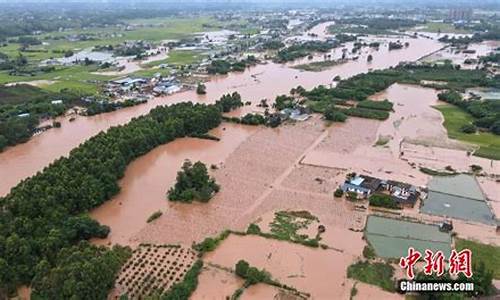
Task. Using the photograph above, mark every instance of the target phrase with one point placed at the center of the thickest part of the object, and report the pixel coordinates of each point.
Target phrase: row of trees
(222, 66)
(360, 87)
(228, 102)
(46, 213)
(69, 277)
(304, 49)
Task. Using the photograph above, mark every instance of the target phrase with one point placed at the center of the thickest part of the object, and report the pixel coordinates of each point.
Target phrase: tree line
(32, 103)
(46, 213)
(304, 49)
(486, 113)
(360, 87)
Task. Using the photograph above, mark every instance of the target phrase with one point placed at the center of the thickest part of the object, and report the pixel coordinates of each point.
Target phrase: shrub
(201, 89)
(379, 274)
(253, 229)
(368, 252)
(476, 168)
(251, 274)
(366, 113)
(242, 268)
(332, 114)
(154, 216)
(381, 105)
(352, 196)
(468, 128)
(338, 193)
(186, 287)
(209, 243)
(382, 200)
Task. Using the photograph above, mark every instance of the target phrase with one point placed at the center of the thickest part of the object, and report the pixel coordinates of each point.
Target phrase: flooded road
(262, 81)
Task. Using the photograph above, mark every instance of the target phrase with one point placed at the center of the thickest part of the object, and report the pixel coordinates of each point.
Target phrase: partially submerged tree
(193, 183)
(201, 89)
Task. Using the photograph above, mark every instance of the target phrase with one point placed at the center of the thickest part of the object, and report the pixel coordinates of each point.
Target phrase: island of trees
(193, 183)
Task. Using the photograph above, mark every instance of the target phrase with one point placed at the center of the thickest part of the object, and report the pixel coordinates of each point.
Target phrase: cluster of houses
(157, 86)
(404, 194)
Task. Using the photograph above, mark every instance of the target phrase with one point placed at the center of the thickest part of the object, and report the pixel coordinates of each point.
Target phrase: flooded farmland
(256, 83)
(274, 150)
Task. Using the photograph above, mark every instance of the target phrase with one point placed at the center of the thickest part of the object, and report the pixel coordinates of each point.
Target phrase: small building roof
(357, 180)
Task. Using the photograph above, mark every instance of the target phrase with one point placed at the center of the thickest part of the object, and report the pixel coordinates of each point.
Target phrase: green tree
(193, 183)
(201, 89)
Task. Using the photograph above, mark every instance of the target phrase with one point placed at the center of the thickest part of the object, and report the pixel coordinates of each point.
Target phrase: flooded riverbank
(256, 83)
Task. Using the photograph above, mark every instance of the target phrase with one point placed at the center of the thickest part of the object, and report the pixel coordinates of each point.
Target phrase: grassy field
(488, 254)
(377, 273)
(77, 78)
(455, 118)
(442, 27)
(82, 77)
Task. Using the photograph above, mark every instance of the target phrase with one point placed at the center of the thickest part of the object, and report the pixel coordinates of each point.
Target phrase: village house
(364, 186)
(404, 194)
(297, 114)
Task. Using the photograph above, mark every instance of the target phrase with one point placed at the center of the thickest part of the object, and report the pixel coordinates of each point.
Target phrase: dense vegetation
(46, 213)
(483, 254)
(184, 289)
(69, 277)
(228, 102)
(382, 105)
(361, 86)
(335, 115)
(222, 66)
(104, 106)
(271, 120)
(482, 280)
(304, 49)
(273, 45)
(252, 275)
(209, 244)
(486, 113)
(193, 183)
(201, 89)
(382, 200)
(35, 102)
(376, 273)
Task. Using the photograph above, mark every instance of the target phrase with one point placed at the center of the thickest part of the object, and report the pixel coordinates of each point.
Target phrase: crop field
(153, 268)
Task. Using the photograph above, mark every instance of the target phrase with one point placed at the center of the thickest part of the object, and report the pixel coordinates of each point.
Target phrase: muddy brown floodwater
(148, 178)
(262, 81)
